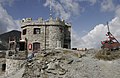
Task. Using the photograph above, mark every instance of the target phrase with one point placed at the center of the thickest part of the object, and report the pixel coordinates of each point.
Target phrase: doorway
(36, 46)
(65, 46)
(3, 67)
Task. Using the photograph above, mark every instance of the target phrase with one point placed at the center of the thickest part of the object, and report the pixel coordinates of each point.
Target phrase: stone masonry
(46, 34)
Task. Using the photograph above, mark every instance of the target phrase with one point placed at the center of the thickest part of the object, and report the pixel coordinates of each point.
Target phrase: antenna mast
(108, 27)
(50, 8)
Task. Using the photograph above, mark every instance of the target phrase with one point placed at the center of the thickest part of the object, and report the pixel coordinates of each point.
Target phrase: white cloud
(76, 40)
(107, 5)
(6, 2)
(93, 1)
(67, 8)
(6, 21)
(94, 37)
(117, 11)
(64, 8)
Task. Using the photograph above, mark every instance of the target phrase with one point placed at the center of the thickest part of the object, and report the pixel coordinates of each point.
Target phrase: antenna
(108, 27)
(50, 8)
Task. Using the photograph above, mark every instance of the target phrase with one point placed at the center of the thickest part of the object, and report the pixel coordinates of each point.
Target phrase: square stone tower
(46, 34)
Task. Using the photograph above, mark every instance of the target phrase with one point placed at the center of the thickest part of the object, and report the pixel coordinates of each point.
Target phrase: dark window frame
(36, 46)
(22, 46)
(24, 32)
(37, 31)
(61, 30)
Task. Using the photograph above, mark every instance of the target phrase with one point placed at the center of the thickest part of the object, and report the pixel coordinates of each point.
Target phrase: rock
(62, 72)
(52, 72)
(58, 57)
(37, 72)
(43, 54)
(82, 65)
(29, 64)
(53, 59)
(79, 60)
(38, 61)
(70, 66)
(83, 54)
(70, 61)
(57, 63)
(51, 66)
(42, 71)
(44, 67)
(38, 75)
(79, 55)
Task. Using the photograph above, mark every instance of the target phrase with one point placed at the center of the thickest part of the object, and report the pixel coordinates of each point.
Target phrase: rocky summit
(65, 63)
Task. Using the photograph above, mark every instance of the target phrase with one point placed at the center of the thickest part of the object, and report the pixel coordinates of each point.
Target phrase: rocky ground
(63, 63)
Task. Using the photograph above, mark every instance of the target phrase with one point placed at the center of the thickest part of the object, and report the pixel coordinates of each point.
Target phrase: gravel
(63, 63)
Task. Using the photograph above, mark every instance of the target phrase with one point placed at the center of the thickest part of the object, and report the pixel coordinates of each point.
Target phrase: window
(12, 46)
(10, 53)
(36, 31)
(21, 46)
(61, 30)
(24, 32)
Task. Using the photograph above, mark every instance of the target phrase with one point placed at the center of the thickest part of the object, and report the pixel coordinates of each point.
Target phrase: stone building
(46, 34)
(15, 58)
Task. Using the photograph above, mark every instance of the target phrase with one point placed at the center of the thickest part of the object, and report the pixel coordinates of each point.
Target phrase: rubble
(108, 55)
(66, 64)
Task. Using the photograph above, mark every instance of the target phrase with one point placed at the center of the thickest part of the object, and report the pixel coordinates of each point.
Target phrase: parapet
(68, 24)
(40, 21)
(26, 20)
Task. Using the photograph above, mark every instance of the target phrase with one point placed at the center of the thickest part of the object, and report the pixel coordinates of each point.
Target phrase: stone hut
(46, 34)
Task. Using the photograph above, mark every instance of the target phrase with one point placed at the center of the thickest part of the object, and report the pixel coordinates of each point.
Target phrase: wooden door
(36, 46)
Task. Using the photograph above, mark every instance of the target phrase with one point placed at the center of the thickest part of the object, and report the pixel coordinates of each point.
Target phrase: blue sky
(28, 8)
(82, 23)
(87, 16)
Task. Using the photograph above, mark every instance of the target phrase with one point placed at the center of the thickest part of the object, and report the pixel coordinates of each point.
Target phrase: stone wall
(2, 62)
(32, 38)
(12, 66)
(57, 32)
(56, 36)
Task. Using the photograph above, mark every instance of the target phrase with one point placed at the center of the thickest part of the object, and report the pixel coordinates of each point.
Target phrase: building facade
(49, 34)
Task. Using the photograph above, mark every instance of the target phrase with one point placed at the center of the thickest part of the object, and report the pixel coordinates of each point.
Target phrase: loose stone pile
(62, 63)
(52, 64)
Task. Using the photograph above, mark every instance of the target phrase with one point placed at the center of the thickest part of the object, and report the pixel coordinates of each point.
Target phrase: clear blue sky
(82, 23)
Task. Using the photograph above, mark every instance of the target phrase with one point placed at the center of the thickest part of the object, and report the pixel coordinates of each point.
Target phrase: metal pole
(45, 38)
(108, 27)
